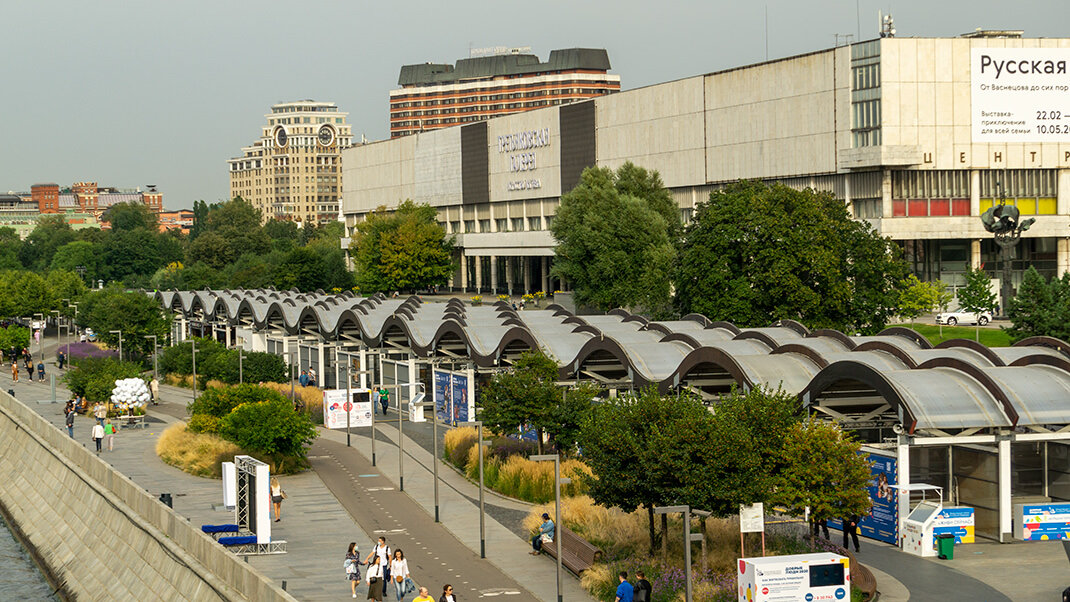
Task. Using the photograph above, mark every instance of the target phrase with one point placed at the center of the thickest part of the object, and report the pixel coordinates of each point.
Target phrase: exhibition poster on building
(1042, 522)
(882, 522)
(335, 406)
(451, 396)
(1020, 94)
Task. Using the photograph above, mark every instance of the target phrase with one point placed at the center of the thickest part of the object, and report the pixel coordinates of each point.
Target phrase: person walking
(98, 435)
(312, 377)
(154, 389)
(821, 526)
(14, 371)
(100, 412)
(29, 367)
(41, 371)
(277, 495)
(69, 421)
(384, 398)
(424, 596)
(545, 535)
(644, 592)
(303, 379)
(109, 434)
(850, 528)
(380, 555)
(447, 594)
(625, 591)
(399, 572)
(60, 359)
(376, 582)
(352, 566)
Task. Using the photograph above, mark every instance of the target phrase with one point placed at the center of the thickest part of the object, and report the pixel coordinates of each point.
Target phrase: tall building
(919, 136)
(82, 204)
(434, 96)
(293, 172)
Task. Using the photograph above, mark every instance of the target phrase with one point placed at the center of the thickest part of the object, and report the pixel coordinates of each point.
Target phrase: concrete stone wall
(99, 535)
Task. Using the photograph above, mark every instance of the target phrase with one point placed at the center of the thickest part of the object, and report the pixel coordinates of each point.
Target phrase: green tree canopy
(131, 252)
(271, 427)
(135, 314)
(405, 249)
(51, 233)
(131, 216)
(616, 238)
(917, 297)
(220, 401)
(211, 249)
(822, 469)
(757, 253)
(80, 253)
(977, 295)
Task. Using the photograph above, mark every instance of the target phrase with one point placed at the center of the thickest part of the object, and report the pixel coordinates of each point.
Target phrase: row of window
(515, 224)
(494, 97)
(484, 93)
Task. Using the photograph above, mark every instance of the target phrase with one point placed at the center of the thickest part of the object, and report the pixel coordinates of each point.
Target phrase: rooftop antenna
(887, 25)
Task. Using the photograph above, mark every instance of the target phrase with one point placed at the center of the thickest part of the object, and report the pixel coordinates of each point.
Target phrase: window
(484, 225)
(501, 224)
(534, 223)
(455, 227)
(469, 226)
(518, 224)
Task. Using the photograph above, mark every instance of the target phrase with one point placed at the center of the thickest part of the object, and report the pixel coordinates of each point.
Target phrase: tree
(614, 247)
(272, 428)
(1032, 309)
(401, 250)
(63, 284)
(822, 470)
(211, 249)
(567, 417)
(220, 401)
(23, 294)
(51, 233)
(756, 253)
(917, 297)
(14, 337)
(77, 254)
(131, 216)
(523, 396)
(977, 296)
(10, 243)
(250, 271)
(944, 298)
(131, 252)
(135, 314)
(301, 269)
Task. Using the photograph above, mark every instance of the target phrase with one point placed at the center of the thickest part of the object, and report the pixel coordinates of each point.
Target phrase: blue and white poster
(957, 521)
(882, 522)
(451, 396)
(1043, 522)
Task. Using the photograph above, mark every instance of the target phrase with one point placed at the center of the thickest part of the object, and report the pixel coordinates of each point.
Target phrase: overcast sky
(136, 93)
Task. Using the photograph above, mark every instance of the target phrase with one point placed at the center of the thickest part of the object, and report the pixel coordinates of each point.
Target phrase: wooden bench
(862, 578)
(577, 554)
(137, 422)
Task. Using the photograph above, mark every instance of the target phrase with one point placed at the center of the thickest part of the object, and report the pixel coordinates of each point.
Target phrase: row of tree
(1041, 308)
(648, 450)
(753, 253)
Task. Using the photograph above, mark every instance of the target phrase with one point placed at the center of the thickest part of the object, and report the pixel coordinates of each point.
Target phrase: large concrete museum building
(915, 135)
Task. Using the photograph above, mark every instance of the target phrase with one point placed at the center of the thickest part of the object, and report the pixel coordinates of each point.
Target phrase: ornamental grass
(199, 454)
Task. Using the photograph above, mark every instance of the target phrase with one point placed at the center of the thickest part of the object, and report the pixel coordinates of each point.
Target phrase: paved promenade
(344, 499)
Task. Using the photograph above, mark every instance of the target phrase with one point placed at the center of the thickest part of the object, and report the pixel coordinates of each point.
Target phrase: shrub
(220, 401)
(308, 399)
(264, 367)
(95, 378)
(272, 428)
(178, 359)
(456, 445)
(204, 423)
(14, 337)
(503, 447)
(198, 454)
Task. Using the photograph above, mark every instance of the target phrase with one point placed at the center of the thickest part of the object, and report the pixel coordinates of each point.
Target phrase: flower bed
(86, 350)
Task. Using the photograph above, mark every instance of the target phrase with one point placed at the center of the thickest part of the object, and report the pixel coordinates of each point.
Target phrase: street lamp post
(155, 366)
(401, 451)
(482, 526)
(434, 446)
(58, 344)
(75, 306)
(120, 333)
(558, 481)
(241, 372)
(193, 356)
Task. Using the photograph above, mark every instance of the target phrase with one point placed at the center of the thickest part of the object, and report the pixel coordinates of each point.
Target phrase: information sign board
(1020, 94)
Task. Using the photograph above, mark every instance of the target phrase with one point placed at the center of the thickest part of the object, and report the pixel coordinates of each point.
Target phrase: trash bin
(945, 546)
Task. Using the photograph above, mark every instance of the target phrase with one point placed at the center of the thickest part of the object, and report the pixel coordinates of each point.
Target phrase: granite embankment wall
(99, 535)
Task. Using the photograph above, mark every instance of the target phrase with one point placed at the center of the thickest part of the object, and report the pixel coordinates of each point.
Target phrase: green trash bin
(945, 546)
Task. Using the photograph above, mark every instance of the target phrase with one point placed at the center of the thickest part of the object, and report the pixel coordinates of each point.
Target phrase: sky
(135, 93)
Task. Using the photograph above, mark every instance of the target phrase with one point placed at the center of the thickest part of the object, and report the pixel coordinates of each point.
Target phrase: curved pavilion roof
(958, 384)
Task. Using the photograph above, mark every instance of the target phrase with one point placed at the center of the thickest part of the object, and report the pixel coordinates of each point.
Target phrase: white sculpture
(130, 393)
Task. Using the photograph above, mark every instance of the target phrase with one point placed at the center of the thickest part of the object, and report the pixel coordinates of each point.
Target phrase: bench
(577, 554)
(217, 531)
(245, 545)
(132, 421)
(862, 578)
(237, 540)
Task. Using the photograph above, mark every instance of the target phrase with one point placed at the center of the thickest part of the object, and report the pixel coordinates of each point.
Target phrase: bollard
(166, 498)
(283, 585)
(52, 377)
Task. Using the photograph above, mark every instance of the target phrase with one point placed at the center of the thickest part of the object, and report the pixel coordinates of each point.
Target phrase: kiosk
(822, 576)
(917, 532)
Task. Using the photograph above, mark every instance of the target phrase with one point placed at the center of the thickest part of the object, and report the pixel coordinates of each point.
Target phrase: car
(952, 318)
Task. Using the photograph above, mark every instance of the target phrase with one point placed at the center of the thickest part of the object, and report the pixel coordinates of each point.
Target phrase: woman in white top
(399, 571)
(276, 498)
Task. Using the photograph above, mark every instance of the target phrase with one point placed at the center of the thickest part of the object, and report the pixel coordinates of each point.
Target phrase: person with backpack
(381, 555)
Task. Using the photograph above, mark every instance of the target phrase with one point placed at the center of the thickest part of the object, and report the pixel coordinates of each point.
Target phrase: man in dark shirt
(850, 527)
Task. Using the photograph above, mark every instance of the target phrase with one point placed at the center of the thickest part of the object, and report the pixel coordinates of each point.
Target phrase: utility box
(822, 576)
(918, 529)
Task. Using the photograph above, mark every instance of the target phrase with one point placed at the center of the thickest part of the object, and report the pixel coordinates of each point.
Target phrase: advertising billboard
(1019, 94)
(957, 521)
(335, 406)
(882, 522)
(450, 391)
(1042, 522)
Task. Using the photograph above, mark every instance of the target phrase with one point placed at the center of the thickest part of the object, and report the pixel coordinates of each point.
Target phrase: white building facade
(915, 135)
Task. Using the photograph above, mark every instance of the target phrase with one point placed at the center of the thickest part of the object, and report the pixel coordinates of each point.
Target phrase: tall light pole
(155, 366)
(558, 481)
(58, 344)
(434, 446)
(688, 538)
(41, 339)
(193, 357)
(120, 333)
(482, 526)
(241, 372)
(75, 306)
(401, 451)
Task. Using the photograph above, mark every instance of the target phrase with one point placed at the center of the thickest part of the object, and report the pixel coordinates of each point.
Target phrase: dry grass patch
(457, 444)
(199, 454)
(310, 398)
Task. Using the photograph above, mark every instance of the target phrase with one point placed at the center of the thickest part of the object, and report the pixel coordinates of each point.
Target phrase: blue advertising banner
(460, 398)
(441, 394)
(882, 523)
(1042, 522)
(957, 521)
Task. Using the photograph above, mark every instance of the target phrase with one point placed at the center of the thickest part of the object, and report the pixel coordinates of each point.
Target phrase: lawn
(991, 337)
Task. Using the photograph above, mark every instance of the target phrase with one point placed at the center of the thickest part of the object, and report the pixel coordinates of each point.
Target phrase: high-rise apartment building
(293, 172)
(434, 96)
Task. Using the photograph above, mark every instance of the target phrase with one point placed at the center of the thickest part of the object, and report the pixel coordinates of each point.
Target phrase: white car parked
(952, 318)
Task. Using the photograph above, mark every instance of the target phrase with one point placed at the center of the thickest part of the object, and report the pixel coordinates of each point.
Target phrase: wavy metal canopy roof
(958, 384)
